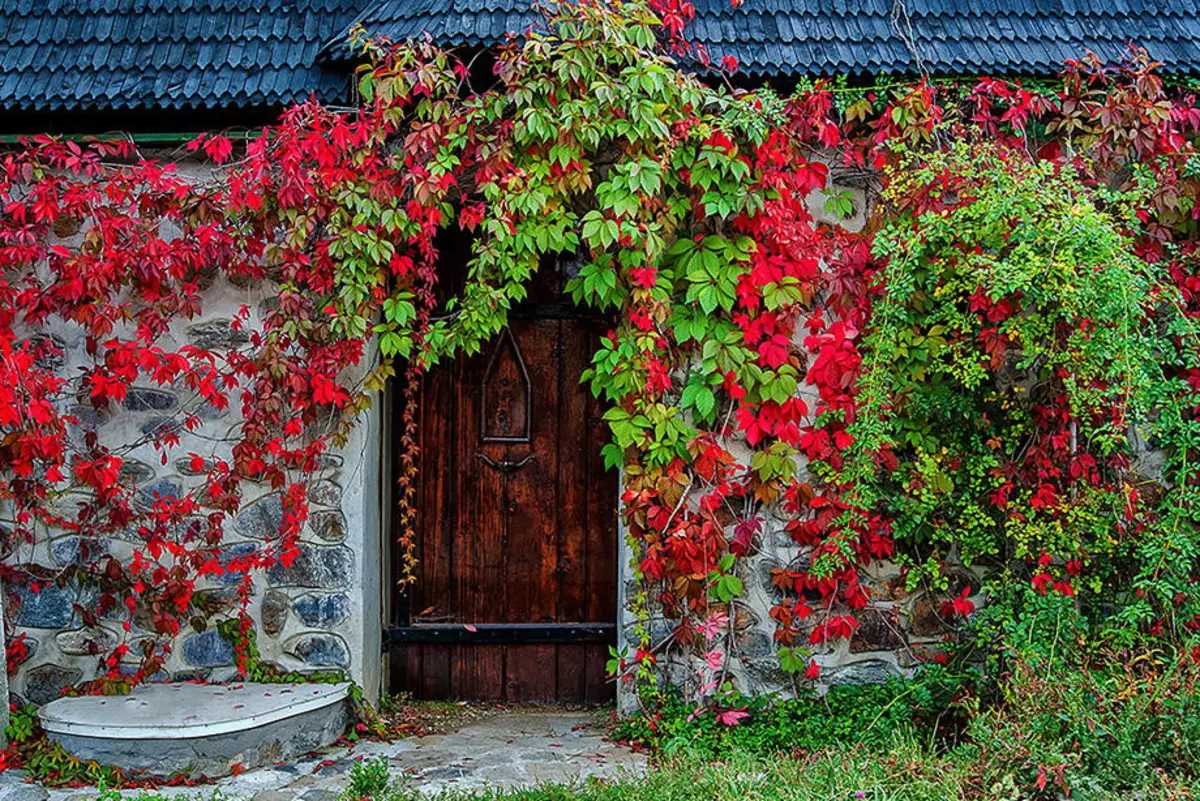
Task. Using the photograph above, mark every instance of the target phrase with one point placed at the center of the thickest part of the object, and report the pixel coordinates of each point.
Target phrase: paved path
(512, 749)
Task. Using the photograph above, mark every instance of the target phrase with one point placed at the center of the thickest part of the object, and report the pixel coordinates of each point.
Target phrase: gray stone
(210, 412)
(184, 467)
(329, 461)
(217, 335)
(274, 795)
(762, 570)
(224, 675)
(31, 649)
(135, 472)
(52, 607)
(322, 611)
(339, 768)
(320, 650)
(325, 493)
(83, 642)
(12, 777)
(229, 554)
(45, 683)
(260, 519)
(319, 567)
(515, 749)
(70, 504)
(215, 602)
(328, 524)
(145, 399)
(1150, 464)
(801, 563)
(858, 673)
(87, 417)
(164, 490)
(24, 792)
(49, 351)
(275, 608)
(757, 644)
(208, 649)
(875, 632)
(764, 675)
(320, 794)
(74, 549)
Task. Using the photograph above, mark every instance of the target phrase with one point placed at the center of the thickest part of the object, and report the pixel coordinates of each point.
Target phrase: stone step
(199, 729)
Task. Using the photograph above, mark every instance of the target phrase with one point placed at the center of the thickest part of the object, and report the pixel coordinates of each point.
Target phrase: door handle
(506, 466)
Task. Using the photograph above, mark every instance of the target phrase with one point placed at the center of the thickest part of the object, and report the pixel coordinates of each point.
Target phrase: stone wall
(896, 631)
(322, 612)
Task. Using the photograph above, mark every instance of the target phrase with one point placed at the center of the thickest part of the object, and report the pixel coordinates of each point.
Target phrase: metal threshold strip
(501, 633)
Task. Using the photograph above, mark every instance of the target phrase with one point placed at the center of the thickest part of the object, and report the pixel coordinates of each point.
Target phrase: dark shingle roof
(451, 22)
(822, 37)
(166, 54)
(199, 55)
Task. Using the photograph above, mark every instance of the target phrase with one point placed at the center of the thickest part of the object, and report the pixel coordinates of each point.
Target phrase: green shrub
(1083, 710)
(845, 716)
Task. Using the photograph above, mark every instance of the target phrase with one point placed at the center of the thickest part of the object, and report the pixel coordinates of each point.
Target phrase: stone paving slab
(514, 749)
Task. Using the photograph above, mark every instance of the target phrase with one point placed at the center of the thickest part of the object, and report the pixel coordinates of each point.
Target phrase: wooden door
(515, 598)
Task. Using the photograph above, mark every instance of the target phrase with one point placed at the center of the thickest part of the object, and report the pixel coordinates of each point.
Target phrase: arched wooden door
(515, 598)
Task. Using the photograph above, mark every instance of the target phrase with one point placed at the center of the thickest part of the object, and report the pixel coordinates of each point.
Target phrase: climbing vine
(954, 365)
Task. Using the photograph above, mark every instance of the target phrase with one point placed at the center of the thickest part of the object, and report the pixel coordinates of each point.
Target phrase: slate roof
(167, 54)
(827, 37)
(198, 55)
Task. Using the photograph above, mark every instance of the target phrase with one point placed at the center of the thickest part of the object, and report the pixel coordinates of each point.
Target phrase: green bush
(1078, 707)
(845, 716)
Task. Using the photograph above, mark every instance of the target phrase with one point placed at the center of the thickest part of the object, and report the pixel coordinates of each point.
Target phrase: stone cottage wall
(321, 613)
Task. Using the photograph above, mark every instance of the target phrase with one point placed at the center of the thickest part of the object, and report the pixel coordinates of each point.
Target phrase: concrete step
(199, 729)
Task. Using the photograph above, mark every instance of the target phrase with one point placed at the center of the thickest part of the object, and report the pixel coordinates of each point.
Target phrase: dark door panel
(515, 598)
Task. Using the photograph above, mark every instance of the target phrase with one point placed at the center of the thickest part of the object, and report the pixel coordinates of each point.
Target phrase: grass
(906, 771)
(822, 777)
